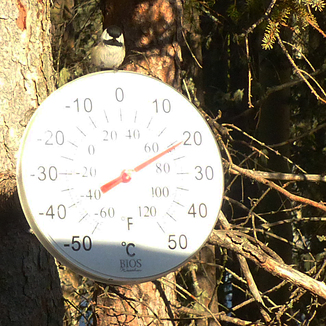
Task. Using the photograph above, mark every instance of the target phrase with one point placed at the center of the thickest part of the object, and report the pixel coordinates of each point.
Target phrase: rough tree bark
(30, 291)
(153, 33)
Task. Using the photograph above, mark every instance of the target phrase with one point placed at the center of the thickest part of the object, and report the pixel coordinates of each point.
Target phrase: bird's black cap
(114, 31)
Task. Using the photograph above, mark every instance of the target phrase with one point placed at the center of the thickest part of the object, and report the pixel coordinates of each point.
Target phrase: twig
(219, 316)
(248, 31)
(249, 72)
(304, 57)
(307, 133)
(287, 176)
(292, 83)
(310, 76)
(251, 174)
(253, 287)
(297, 70)
(247, 273)
(262, 144)
(191, 52)
(317, 28)
(262, 18)
(165, 300)
(209, 312)
(238, 243)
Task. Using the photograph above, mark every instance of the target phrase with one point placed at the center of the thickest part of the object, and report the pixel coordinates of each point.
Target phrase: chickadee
(109, 52)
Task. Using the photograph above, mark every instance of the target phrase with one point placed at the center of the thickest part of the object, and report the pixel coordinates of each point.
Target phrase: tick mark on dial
(106, 117)
(92, 122)
(171, 216)
(162, 133)
(150, 121)
(178, 203)
(95, 227)
(83, 217)
(81, 131)
(160, 227)
(72, 144)
(67, 158)
(182, 189)
(173, 144)
(178, 158)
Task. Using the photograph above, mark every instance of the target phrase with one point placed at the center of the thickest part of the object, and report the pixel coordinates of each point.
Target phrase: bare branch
(309, 132)
(246, 34)
(247, 273)
(287, 176)
(249, 72)
(268, 147)
(251, 174)
(262, 18)
(219, 316)
(297, 70)
(239, 243)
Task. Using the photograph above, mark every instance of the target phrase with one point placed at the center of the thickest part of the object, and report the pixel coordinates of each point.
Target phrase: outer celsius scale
(120, 177)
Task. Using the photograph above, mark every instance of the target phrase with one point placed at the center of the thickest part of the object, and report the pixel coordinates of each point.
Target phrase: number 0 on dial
(120, 177)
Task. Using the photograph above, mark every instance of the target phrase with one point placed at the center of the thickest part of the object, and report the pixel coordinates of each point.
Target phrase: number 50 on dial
(120, 177)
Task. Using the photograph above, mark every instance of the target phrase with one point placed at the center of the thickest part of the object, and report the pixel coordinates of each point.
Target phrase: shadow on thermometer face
(119, 263)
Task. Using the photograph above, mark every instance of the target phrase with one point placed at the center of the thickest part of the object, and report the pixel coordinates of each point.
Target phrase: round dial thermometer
(120, 177)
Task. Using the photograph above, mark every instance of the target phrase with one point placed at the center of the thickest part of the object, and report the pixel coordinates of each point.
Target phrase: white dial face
(120, 177)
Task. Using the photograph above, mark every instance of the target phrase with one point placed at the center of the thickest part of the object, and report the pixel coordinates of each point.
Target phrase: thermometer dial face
(120, 177)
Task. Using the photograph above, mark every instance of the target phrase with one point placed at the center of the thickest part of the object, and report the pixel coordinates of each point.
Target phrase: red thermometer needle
(125, 175)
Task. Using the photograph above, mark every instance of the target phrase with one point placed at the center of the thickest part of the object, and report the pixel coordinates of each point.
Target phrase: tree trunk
(152, 32)
(30, 291)
(274, 128)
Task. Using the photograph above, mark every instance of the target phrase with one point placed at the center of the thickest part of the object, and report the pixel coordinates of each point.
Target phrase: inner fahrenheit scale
(121, 183)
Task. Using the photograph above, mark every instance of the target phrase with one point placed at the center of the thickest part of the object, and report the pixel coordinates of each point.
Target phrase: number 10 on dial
(120, 177)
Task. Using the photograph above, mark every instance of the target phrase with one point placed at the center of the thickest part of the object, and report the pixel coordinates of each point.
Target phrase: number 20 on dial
(120, 177)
